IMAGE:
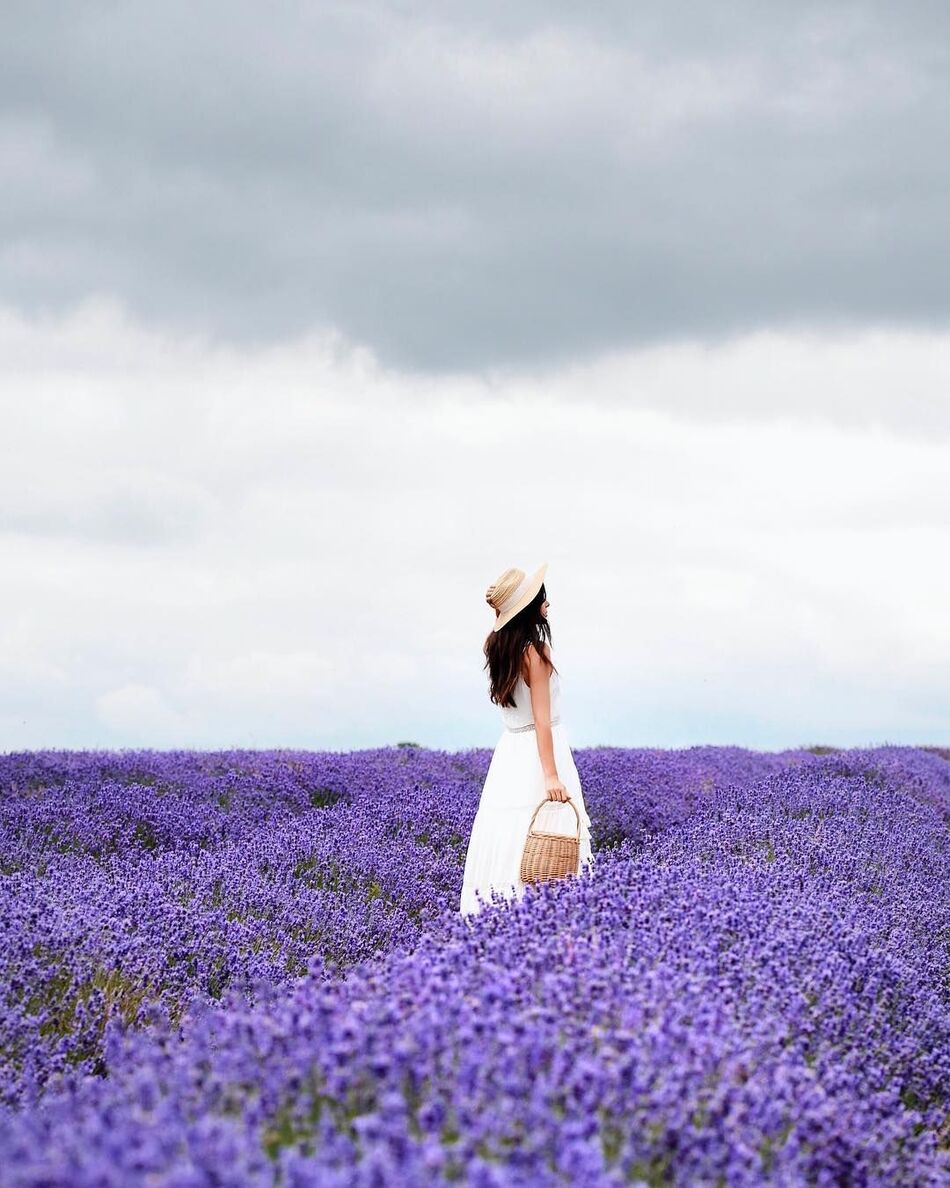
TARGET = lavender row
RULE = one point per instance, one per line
(757, 993)
(133, 879)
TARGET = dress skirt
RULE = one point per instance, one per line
(513, 788)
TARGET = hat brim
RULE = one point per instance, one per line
(534, 585)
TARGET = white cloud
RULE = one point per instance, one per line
(897, 379)
(136, 505)
(259, 674)
(136, 711)
(320, 533)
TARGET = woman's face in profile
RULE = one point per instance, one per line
(544, 608)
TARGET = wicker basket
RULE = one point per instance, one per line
(549, 856)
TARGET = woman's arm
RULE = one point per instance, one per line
(539, 679)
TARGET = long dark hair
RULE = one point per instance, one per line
(504, 649)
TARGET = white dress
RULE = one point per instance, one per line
(513, 788)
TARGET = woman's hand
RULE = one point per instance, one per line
(555, 789)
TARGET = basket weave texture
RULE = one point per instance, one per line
(548, 856)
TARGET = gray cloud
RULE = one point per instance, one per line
(466, 187)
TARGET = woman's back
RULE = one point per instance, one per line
(521, 714)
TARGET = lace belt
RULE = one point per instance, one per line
(530, 726)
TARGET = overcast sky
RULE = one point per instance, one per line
(314, 318)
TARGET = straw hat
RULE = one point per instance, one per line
(512, 592)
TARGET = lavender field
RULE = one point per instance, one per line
(248, 968)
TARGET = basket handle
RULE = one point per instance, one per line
(548, 800)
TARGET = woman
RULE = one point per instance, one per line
(532, 760)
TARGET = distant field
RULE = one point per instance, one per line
(248, 967)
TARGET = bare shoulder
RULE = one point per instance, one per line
(534, 667)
